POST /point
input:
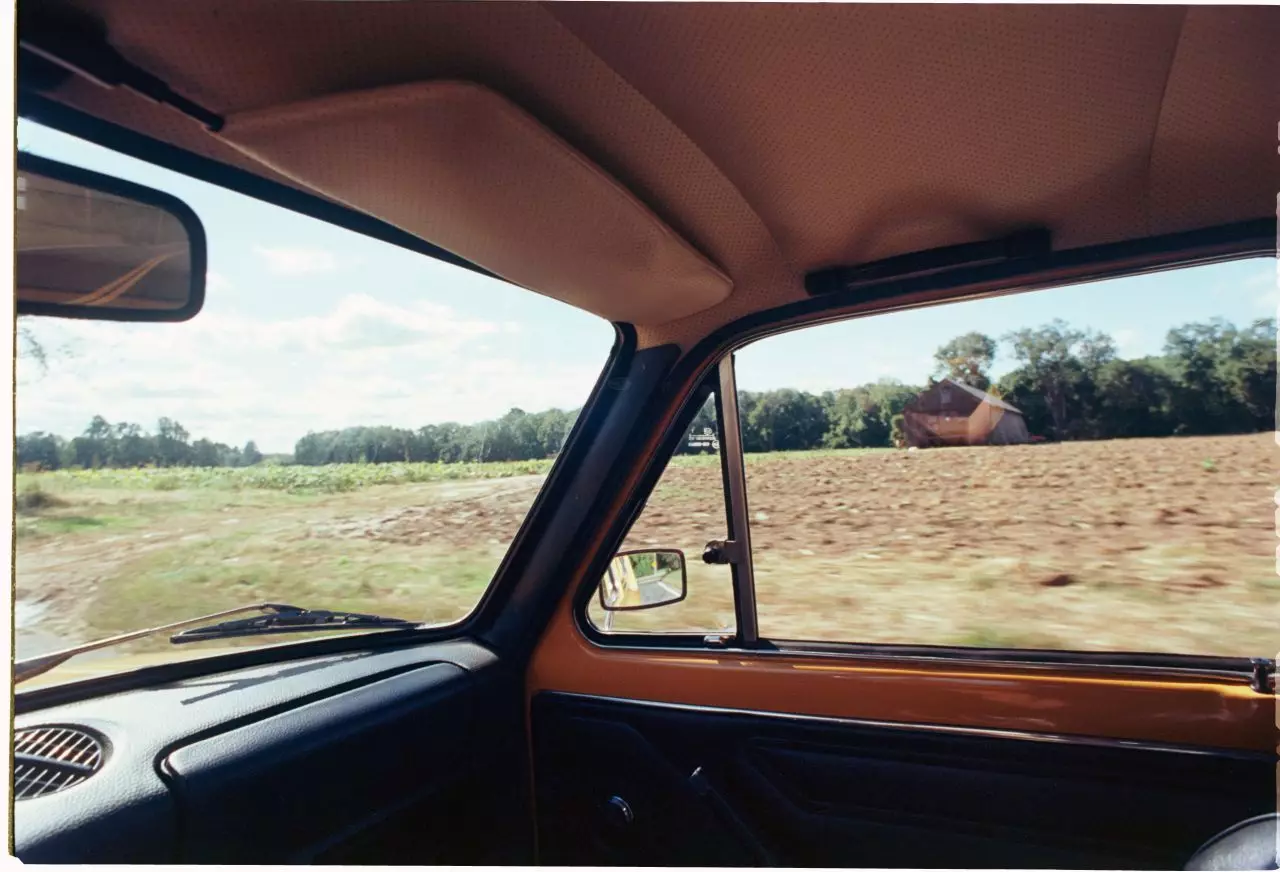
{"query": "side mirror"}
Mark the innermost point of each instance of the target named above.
(638, 580)
(93, 246)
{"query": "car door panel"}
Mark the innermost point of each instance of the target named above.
(821, 791)
(592, 760)
(1148, 705)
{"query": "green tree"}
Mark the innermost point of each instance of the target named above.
(96, 446)
(1020, 389)
(1057, 362)
(132, 446)
(788, 420)
(862, 417)
(452, 440)
(250, 455)
(552, 429)
(1227, 376)
(205, 453)
(751, 439)
(40, 450)
(1136, 398)
(967, 358)
(172, 448)
(847, 419)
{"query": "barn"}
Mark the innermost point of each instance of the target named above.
(954, 413)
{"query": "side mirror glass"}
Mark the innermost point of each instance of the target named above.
(93, 246)
(638, 580)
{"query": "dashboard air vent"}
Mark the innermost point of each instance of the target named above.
(49, 759)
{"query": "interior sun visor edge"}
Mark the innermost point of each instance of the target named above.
(462, 167)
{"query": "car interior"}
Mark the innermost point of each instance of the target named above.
(701, 176)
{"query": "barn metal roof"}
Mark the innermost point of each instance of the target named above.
(982, 396)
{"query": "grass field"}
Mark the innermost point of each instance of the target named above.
(1154, 545)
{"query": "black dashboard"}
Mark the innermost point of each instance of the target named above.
(379, 756)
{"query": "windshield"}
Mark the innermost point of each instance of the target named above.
(346, 425)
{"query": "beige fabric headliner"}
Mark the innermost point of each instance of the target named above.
(780, 138)
(458, 164)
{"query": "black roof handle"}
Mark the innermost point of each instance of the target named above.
(1034, 242)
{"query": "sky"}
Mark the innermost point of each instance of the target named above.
(305, 326)
(1137, 312)
(308, 327)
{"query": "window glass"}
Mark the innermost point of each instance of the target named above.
(1084, 468)
(685, 511)
(347, 425)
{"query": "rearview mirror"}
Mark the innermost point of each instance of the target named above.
(638, 580)
(92, 246)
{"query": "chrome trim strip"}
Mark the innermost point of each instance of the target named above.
(965, 658)
(944, 729)
(744, 580)
(959, 659)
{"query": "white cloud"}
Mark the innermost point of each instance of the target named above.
(1263, 278)
(231, 378)
(1261, 286)
(1127, 341)
(215, 282)
(297, 261)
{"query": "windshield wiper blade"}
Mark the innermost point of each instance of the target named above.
(290, 619)
(293, 619)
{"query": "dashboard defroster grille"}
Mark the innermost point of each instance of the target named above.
(49, 759)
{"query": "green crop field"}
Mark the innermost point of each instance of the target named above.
(334, 478)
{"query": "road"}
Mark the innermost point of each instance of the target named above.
(133, 276)
(654, 589)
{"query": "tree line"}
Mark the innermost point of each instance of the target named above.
(517, 435)
(125, 445)
(1211, 378)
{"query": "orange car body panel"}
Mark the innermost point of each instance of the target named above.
(1146, 706)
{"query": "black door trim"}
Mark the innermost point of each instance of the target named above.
(909, 728)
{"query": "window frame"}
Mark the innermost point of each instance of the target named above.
(707, 387)
(712, 359)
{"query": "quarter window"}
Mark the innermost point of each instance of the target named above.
(685, 511)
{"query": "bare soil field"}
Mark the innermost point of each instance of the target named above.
(1165, 545)
(1141, 545)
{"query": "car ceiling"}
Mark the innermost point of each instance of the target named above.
(775, 139)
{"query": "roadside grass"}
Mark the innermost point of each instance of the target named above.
(190, 578)
(111, 559)
(72, 508)
(31, 499)
(61, 525)
(42, 514)
(997, 637)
